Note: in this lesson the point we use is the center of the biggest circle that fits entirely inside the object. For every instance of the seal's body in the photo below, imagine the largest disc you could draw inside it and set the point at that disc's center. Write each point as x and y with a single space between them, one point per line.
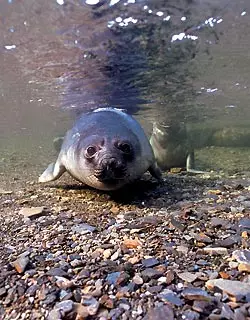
105 149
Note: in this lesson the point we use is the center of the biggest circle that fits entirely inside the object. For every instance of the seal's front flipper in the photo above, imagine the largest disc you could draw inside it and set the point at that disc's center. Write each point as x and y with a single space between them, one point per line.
155 171
53 172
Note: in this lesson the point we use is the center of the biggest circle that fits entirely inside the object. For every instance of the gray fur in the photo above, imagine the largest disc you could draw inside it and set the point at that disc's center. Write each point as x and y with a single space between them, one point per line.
103 127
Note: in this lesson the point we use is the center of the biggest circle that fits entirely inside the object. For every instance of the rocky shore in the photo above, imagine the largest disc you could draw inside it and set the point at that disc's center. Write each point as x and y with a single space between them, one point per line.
178 250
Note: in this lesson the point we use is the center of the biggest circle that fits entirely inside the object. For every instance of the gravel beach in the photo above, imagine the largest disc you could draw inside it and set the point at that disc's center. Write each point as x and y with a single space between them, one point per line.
175 250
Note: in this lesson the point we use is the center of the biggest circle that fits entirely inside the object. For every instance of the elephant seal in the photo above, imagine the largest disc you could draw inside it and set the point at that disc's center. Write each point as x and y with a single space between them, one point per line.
105 149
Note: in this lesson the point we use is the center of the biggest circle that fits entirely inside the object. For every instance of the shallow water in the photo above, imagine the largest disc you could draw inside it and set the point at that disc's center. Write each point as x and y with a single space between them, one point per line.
178 64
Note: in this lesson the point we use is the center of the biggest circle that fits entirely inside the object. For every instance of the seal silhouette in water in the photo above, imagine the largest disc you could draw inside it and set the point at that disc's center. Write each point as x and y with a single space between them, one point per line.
105 149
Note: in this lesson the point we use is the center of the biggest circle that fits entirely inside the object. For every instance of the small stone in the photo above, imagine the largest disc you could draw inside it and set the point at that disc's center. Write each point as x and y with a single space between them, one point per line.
63 283
5 192
236 290
195 294
170 276
33 212
131 243
20 264
202 306
228 242
169 296
202 237
106 301
81 311
218 222
215 250
160 313
91 303
114 256
187 276
226 312
57 272
54 315
190 315
107 253
182 249
150 262
151 273
2 291
137 279
117 278
83 228
244 223
50 298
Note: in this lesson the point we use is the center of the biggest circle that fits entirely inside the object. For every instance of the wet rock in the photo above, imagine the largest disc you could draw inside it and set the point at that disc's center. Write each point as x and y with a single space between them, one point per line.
169 276
187 276
244 223
57 272
177 224
150 262
215 250
118 278
31 291
50 298
243 258
195 294
63 283
202 306
91 303
83 228
226 312
33 212
202 237
236 290
137 279
228 242
54 315
169 296
218 222
151 273
160 313
131 243
21 263
190 315
2 291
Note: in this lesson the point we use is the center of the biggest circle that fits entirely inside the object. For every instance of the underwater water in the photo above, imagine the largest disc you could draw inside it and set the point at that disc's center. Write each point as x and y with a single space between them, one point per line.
182 68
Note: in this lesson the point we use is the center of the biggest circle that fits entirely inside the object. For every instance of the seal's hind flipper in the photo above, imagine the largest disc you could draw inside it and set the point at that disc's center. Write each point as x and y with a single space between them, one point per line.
53 172
155 171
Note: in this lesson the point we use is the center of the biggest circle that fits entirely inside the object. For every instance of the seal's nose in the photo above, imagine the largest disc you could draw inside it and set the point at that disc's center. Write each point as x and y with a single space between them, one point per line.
111 169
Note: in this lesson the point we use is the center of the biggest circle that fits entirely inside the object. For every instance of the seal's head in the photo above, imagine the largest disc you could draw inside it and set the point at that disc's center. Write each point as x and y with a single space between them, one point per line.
107 159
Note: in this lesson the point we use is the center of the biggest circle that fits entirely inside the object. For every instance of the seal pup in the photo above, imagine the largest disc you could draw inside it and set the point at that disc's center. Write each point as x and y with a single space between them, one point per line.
106 149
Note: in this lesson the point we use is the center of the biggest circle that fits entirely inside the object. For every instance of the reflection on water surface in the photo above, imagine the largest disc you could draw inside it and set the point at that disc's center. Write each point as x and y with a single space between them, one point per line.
183 66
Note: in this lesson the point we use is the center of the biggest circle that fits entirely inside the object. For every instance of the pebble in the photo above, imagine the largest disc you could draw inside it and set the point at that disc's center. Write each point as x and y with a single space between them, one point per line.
150 262
21 263
236 290
32 212
187 276
244 223
137 279
171 297
218 222
83 228
195 294
215 250
160 313
243 259
151 273
57 272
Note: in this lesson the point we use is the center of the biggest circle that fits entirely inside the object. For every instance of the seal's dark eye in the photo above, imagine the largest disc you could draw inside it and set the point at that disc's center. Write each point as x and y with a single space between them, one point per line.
124 147
91 151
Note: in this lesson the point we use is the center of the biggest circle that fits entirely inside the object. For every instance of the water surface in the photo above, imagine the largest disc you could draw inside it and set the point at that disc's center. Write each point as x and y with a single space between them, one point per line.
179 64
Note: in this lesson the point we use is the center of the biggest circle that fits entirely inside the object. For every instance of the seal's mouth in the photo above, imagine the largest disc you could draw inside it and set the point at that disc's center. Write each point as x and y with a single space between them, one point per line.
110 171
